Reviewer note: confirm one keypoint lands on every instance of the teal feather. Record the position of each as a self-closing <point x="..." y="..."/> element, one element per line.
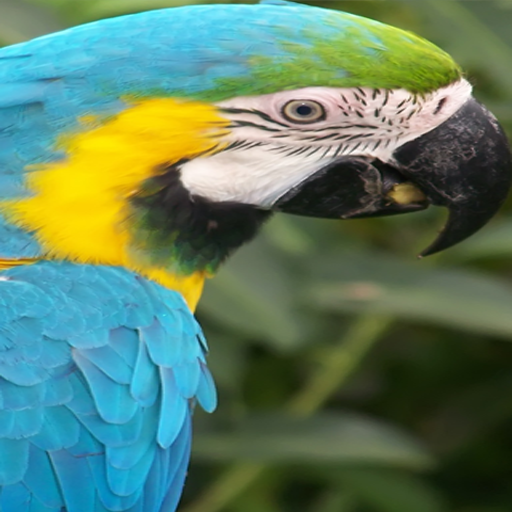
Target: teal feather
<point x="127" y="455"/>
<point x="86" y="444"/>
<point x="58" y="431"/>
<point x="15" y="495"/>
<point x="37" y="506"/>
<point x="55" y="354"/>
<point x="108" y="361"/>
<point x="20" y="374"/>
<point x="57" y="392"/>
<point x="114" y="402"/>
<point x="152" y="498"/>
<point x="70" y="471"/>
<point x="181" y="447"/>
<point x="13" y="462"/>
<point x="15" y="398"/>
<point x="94" y="338"/>
<point x="145" y="384"/>
<point x="41" y="480"/>
<point x="125" y="482"/>
<point x="110" y="434"/>
<point x="7" y="419"/>
<point x="27" y="422"/>
<point x="125" y="342"/>
<point x="176" y="478"/>
<point x="156" y="338"/>
<point x="187" y="377"/>
<point x="106" y="493"/>
<point x="81" y="402"/>
<point x="206" y="393"/>
<point x="101" y="429"/>
<point x="173" y="410"/>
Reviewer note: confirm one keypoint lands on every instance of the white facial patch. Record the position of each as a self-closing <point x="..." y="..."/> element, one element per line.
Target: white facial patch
<point x="268" y="154"/>
<point x="257" y="176"/>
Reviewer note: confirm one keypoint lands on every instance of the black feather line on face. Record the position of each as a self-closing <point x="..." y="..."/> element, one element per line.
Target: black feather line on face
<point x="258" y="113"/>
<point x="187" y="232"/>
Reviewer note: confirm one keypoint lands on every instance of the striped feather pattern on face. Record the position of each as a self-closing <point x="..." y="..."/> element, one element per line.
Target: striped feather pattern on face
<point x="268" y="153"/>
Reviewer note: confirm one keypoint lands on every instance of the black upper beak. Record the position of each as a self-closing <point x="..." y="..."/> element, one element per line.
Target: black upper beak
<point x="464" y="164"/>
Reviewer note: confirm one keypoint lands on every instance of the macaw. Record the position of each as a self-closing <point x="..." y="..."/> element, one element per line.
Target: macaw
<point x="136" y="154"/>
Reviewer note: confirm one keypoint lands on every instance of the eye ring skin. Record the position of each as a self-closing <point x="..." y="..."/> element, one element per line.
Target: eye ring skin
<point x="464" y="164"/>
<point x="318" y="111"/>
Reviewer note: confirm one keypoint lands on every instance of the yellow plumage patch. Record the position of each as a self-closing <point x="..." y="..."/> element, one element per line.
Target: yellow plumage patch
<point x="79" y="205"/>
<point x="6" y="263"/>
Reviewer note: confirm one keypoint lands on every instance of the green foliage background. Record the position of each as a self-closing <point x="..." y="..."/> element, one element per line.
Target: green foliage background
<point x="352" y="376"/>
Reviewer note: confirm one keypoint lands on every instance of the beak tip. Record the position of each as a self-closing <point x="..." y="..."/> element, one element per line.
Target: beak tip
<point x="469" y="163"/>
<point x="429" y="251"/>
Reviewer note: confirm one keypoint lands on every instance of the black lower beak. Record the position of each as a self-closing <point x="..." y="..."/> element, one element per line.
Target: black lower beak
<point x="464" y="164"/>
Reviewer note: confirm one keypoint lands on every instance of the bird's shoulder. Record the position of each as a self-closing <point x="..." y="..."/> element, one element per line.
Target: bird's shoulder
<point x="99" y="369"/>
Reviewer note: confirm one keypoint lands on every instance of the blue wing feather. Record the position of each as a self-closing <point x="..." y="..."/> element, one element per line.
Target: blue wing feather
<point x="40" y="479"/>
<point x="59" y="430"/>
<point x="97" y="374"/>
<point x="7" y="419"/>
<point x="70" y="471"/>
<point x="16" y="495"/>
<point x="113" y="400"/>
<point x="173" y="410"/>
<point x="108" y="361"/>
<point x="14" y="460"/>
<point x="145" y="382"/>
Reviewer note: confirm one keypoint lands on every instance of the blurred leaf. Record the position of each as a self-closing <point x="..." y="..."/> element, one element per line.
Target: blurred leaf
<point x="469" y="39"/>
<point x="284" y="233"/>
<point x="336" y="500"/>
<point x="19" y="21"/>
<point x="227" y="359"/>
<point x="106" y="8"/>
<point x="454" y="298"/>
<point x="342" y="438"/>
<point x="392" y="491"/>
<point x="254" y="295"/>
<point x="484" y="509"/>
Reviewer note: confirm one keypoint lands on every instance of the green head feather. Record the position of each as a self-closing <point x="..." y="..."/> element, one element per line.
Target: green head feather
<point x="318" y="47"/>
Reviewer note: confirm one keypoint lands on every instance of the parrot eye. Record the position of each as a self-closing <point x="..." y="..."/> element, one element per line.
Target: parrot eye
<point x="303" y="111"/>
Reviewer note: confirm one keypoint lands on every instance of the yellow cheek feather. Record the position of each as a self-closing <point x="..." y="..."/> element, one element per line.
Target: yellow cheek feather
<point x="79" y="205"/>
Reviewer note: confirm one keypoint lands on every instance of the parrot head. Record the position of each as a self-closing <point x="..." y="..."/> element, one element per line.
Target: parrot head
<point x="338" y="117"/>
<point x="366" y="120"/>
<point x="344" y="153"/>
<point x="175" y="146"/>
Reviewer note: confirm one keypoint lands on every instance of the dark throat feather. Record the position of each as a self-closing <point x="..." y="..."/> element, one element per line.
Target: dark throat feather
<point x="187" y="232"/>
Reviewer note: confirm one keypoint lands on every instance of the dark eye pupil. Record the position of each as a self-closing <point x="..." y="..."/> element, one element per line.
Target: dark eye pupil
<point x="304" y="110"/>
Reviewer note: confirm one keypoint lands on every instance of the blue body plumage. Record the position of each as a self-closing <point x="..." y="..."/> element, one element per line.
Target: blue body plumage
<point x="99" y="369"/>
